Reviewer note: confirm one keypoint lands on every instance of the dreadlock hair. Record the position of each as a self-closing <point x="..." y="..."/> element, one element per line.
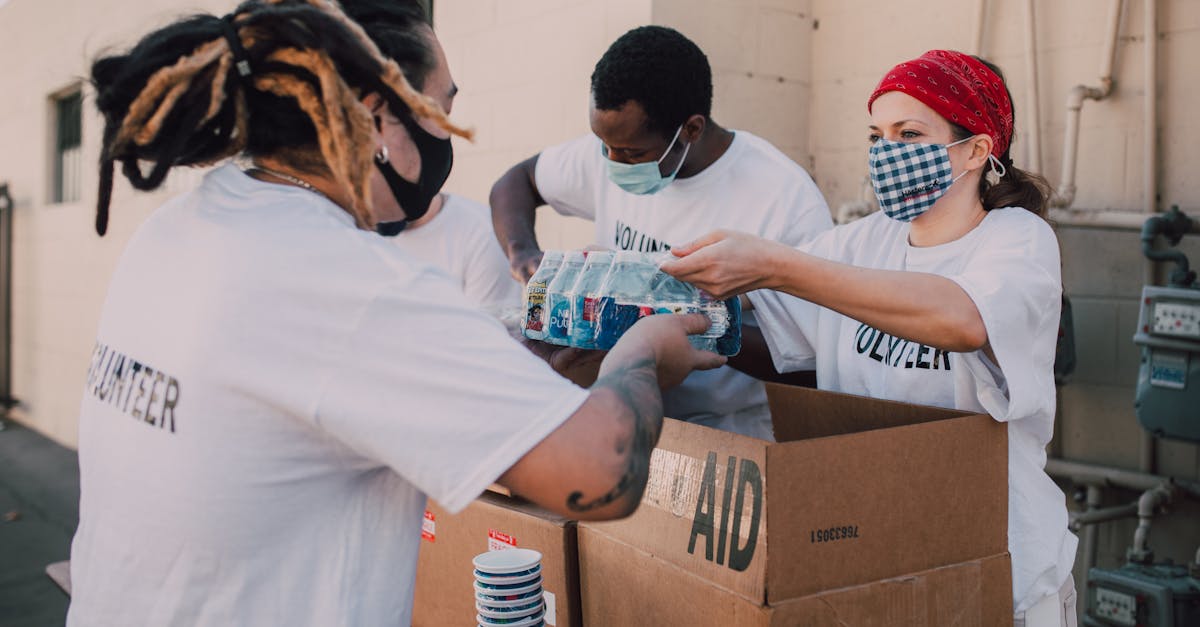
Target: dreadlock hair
<point x="179" y="96"/>
<point x="659" y="68"/>
<point x="1017" y="188"/>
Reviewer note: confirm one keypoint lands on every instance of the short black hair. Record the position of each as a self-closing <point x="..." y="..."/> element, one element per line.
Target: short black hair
<point x="665" y="72"/>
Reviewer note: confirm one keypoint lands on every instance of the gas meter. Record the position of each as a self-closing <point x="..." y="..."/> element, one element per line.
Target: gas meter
<point x="1168" y="386"/>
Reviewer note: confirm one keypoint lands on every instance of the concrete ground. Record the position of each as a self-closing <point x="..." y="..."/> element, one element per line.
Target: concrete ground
<point x="39" y="510"/>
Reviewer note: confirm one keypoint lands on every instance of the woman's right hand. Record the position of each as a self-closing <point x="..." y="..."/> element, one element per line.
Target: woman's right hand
<point x="726" y="263"/>
<point x="664" y="337"/>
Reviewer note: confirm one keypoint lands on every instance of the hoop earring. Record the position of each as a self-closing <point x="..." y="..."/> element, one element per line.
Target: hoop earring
<point x="382" y="156"/>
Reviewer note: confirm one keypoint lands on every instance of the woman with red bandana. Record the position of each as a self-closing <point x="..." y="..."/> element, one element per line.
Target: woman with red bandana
<point x="949" y="296"/>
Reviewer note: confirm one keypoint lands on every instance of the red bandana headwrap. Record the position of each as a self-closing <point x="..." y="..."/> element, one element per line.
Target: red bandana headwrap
<point x="960" y="89"/>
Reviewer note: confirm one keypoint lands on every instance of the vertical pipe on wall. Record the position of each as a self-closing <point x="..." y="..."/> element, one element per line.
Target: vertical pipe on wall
<point x="1034" y="123"/>
<point x="6" y="256"/>
<point x="1064" y="195"/>
<point x="1090" y="538"/>
<point x="980" y="20"/>
<point x="1147" y="460"/>
<point x="1150" y="114"/>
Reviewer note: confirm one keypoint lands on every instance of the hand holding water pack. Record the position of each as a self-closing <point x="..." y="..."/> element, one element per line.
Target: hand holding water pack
<point x="591" y="299"/>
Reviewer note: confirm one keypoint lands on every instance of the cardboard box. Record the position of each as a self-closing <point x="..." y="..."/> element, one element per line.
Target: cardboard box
<point x="445" y="592"/>
<point x="855" y="491"/>
<point x="623" y="585"/>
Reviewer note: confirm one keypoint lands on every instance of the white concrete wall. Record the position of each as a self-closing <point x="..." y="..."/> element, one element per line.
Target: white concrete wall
<point x="60" y="267"/>
<point x="760" y="52"/>
<point x="523" y="68"/>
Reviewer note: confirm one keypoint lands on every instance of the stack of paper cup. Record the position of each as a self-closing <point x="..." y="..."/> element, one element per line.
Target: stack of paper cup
<point x="508" y="588"/>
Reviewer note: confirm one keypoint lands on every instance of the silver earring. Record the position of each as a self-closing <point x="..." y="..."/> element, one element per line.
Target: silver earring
<point x="382" y="155"/>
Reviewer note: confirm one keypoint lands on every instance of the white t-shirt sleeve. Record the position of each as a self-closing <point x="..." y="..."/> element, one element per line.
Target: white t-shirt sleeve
<point x="809" y="214"/>
<point x="437" y="390"/>
<point x="486" y="279"/>
<point x="566" y="176"/>
<point x="789" y="324"/>
<point x="1014" y="279"/>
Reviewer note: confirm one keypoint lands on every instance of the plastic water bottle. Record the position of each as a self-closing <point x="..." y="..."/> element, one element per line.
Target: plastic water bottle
<point x="670" y="295"/>
<point x="533" y="323"/>
<point x="559" y="295"/>
<point x="586" y="297"/>
<point x="623" y="297"/>
<point x="730" y="343"/>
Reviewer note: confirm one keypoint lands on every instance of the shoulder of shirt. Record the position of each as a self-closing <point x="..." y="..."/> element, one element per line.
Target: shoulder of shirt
<point x="876" y="224"/>
<point x="1021" y="223"/>
<point x="381" y="260"/>
<point x="585" y="145"/>
<point x="844" y="241"/>
<point x="462" y="204"/>
<point x="468" y="215"/>
<point x="760" y="158"/>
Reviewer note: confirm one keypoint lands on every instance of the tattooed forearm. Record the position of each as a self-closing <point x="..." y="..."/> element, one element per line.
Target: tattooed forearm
<point x="636" y="389"/>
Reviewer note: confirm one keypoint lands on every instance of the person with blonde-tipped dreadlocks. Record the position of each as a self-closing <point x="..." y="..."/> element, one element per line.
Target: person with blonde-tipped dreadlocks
<point x="275" y="388"/>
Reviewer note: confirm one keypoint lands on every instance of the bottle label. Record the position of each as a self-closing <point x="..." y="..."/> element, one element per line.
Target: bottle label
<point x="535" y="303"/>
<point x="589" y="309"/>
<point x="560" y="318"/>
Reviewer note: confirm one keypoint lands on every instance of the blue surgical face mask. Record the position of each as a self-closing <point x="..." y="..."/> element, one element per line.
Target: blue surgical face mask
<point x="644" y="178"/>
<point x="909" y="178"/>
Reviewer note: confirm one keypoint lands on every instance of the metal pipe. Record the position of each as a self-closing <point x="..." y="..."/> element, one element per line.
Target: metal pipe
<point x="1064" y="196"/>
<point x="1089" y="519"/>
<point x="980" y="19"/>
<point x="1147" y="504"/>
<point x="1124" y="220"/>
<point x="1034" y="123"/>
<point x="1148" y="457"/>
<point x="1091" y="474"/>
<point x="1090" y="534"/>
<point x="1150" y="115"/>
<point x="1110" y="51"/>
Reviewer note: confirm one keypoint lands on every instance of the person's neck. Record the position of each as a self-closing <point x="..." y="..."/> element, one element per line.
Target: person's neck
<point x="269" y="169"/>
<point x="948" y="220"/>
<point x="435" y="207"/>
<point x="713" y="143"/>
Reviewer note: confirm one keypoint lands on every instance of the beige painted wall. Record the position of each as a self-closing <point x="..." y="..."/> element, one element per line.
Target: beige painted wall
<point x="794" y="71"/>
<point x="60" y="267"/>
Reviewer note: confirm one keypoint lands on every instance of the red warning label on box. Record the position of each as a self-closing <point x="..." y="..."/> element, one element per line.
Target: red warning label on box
<point x="498" y="540"/>
<point x="429" y="527"/>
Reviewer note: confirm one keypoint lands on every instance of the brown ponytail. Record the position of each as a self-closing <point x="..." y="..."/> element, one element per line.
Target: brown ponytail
<point x="1017" y="188"/>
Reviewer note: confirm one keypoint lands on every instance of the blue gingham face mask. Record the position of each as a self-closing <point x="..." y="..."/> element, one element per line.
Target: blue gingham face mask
<point x="909" y="178"/>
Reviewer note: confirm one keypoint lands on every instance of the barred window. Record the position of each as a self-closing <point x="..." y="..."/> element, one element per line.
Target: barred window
<point x="68" y="136"/>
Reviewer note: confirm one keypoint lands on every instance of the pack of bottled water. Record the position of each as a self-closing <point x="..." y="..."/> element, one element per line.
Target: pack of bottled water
<point x="588" y="299"/>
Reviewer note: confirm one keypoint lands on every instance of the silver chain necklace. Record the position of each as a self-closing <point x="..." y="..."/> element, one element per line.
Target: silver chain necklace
<point x="299" y="182"/>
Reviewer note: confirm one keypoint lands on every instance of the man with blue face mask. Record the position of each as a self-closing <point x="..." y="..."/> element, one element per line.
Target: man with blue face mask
<point x="657" y="171"/>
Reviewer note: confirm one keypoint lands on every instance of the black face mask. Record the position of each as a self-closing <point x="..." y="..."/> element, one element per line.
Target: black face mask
<point x="437" y="157"/>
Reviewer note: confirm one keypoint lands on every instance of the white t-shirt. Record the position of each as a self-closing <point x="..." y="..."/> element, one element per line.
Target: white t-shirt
<point x="752" y="187"/>
<point x="461" y="241"/>
<point x="1009" y="266"/>
<point x="272" y="395"/>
